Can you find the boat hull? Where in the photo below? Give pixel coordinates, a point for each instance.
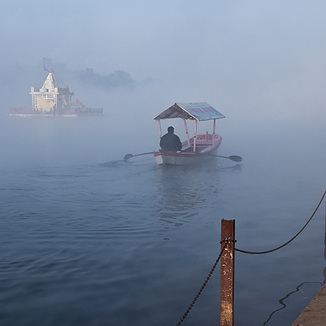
(180, 159)
(206, 148)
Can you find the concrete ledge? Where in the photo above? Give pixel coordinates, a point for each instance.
(315, 313)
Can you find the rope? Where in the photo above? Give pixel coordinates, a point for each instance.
(286, 243)
(202, 287)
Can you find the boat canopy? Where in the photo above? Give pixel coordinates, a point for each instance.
(193, 111)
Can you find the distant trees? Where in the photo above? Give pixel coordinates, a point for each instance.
(117, 78)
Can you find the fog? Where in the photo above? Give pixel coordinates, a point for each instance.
(261, 64)
(91, 239)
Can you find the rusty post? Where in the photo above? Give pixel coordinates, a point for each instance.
(227, 273)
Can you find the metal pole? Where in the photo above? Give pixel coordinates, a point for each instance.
(187, 133)
(159, 128)
(195, 136)
(227, 273)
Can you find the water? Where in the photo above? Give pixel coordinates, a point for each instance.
(88, 239)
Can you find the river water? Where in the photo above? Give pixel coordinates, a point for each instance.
(88, 239)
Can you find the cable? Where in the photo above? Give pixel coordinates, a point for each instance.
(286, 243)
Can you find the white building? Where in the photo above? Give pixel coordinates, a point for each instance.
(50, 98)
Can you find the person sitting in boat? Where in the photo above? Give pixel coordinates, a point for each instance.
(170, 142)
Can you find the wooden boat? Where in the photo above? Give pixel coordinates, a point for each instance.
(198, 148)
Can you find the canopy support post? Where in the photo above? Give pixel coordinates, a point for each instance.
(159, 128)
(187, 133)
(214, 125)
(195, 136)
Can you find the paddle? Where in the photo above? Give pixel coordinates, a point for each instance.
(234, 158)
(128, 156)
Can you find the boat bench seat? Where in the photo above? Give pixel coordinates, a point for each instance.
(199, 148)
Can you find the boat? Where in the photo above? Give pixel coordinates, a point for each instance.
(53, 101)
(200, 147)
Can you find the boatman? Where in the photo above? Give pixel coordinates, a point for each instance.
(170, 142)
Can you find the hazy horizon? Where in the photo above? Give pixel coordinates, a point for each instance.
(252, 54)
(261, 64)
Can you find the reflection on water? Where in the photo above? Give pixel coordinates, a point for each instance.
(233, 168)
(112, 164)
(181, 189)
(177, 195)
(281, 301)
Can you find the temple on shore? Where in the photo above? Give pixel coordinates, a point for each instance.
(50, 97)
(51, 100)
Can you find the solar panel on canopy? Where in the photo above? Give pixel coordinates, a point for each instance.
(194, 111)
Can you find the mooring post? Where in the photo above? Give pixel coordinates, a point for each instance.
(227, 273)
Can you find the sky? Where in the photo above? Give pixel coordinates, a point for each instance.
(255, 60)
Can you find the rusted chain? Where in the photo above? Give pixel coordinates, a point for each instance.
(202, 287)
(286, 243)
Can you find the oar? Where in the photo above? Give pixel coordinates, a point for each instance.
(128, 156)
(234, 158)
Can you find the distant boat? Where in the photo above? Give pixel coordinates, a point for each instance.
(198, 148)
(51, 101)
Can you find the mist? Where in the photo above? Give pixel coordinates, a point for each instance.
(261, 64)
(92, 234)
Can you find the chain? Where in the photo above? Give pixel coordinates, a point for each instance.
(203, 286)
(286, 243)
